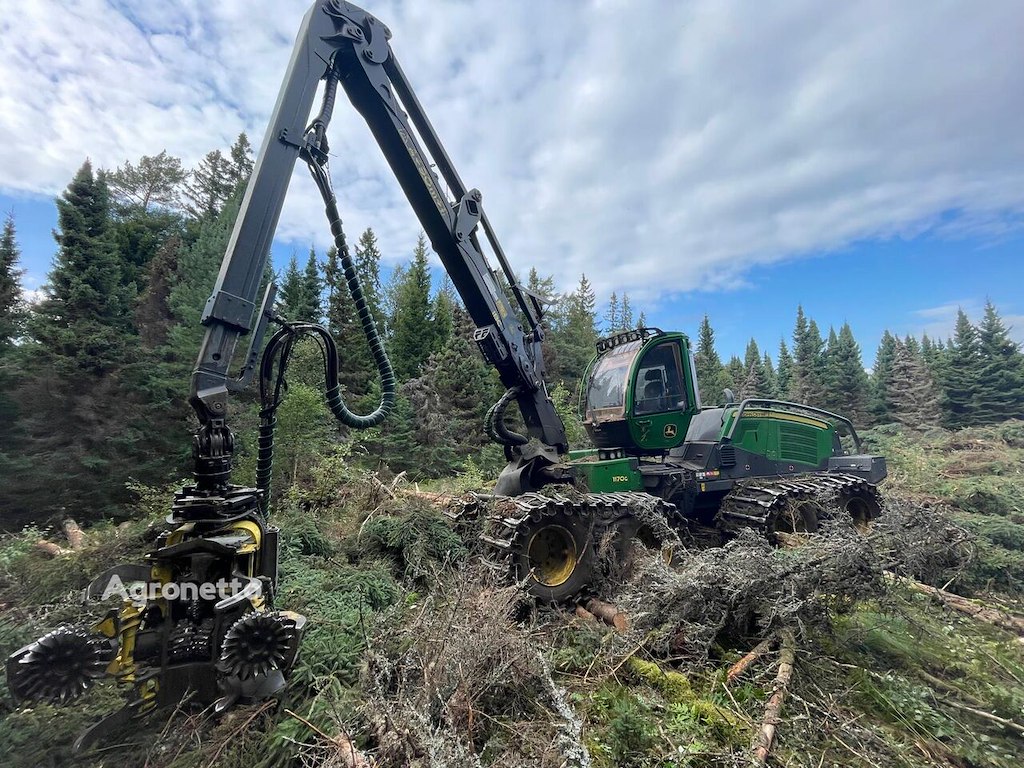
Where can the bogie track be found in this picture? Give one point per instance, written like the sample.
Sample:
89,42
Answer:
798,504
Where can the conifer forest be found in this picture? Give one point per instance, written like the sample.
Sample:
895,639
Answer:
898,647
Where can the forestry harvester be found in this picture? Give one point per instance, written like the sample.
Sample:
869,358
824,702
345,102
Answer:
661,459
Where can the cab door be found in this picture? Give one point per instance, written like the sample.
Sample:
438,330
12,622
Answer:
661,403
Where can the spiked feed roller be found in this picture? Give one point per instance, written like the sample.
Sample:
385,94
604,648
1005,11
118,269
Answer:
258,644
58,667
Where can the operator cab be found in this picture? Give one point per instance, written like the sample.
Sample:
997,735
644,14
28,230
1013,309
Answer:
640,392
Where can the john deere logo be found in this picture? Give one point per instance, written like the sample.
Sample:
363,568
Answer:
670,430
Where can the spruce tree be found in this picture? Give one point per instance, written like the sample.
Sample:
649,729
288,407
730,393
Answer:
412,334
735,375
211,184
963,374
85,434
771,379
1001,376
12,308
912,393
83,321
626,315
849,389
574,339
784,372
881,405
313,288
367,262
711,376
442,313
806,383
613,317
641,321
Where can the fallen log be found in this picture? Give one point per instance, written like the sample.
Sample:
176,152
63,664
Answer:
74,534
966,606
583,613
766,735
50,549
756,652
608,613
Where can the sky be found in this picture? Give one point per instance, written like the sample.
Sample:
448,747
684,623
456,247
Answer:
863,159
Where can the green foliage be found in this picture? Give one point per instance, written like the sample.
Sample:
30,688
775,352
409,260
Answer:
806,384
12,309
412,335
299,297
711,376
420,542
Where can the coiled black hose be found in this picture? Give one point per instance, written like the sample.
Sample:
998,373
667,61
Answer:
494,423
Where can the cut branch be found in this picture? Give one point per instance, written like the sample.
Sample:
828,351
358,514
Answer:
964,605
74,534
608,613
740,666
763,743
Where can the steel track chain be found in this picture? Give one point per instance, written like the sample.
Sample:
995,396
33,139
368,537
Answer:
505,519
756,503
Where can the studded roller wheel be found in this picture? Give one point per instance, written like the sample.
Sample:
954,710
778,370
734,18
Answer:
257,644
57,667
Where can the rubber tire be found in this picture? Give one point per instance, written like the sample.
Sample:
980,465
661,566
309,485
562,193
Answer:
579,530
867,509
806,509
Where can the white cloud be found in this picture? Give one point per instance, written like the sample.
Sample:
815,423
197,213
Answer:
657,146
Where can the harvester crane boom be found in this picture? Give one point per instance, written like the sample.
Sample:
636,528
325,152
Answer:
343,44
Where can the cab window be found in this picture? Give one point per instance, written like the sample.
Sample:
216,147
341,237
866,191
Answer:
606,390
659,380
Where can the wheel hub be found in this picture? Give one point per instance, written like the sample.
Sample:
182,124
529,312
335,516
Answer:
552,555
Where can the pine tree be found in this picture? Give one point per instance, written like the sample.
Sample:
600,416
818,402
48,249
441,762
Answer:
915,401
963,374
711,376
641,321
12,309
1001,376
881,403
412,334
155,181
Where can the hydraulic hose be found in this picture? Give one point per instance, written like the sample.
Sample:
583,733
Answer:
494,423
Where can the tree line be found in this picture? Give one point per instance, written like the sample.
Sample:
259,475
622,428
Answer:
94,374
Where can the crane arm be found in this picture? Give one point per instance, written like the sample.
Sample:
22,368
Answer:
343,44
